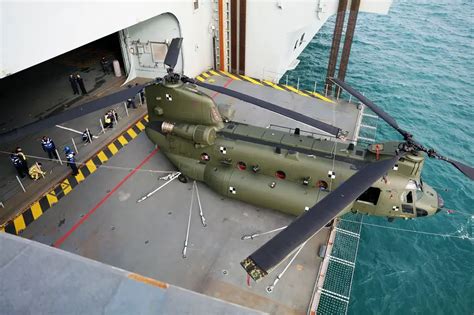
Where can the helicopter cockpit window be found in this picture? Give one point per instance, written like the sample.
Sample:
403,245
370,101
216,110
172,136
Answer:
407,208
371,196
409,197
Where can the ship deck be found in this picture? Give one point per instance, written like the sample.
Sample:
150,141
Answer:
101,219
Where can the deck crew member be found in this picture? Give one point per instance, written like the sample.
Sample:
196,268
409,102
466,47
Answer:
48,146
108,120
36,172
105,65
87,136
80,82
18,164
131,103
22,157
71,160
73,82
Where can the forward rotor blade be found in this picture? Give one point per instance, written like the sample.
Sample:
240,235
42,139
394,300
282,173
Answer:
376,109
267,257
173,52
75,112
272,107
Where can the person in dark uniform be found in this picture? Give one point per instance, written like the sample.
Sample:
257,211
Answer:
105,65
80,82
87,136
73,82
71,160
131,103
49,147
22,157
18,164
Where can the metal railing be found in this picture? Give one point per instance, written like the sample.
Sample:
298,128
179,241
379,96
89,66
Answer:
15,185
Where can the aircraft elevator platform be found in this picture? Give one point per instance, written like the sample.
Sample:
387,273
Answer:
100,218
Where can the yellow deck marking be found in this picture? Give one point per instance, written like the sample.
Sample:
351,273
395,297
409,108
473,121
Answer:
200,79
251,80
214,73
66,186
132,133
36,210
140,126
102,157
273,85
79,177
122,140
231,75
295,90
113,149
19,223
91,166
323,97
52,199
2,229
204,74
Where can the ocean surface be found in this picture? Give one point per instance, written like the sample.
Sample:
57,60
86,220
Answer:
417,63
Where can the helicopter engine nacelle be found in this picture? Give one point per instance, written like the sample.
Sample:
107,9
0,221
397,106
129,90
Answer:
198,133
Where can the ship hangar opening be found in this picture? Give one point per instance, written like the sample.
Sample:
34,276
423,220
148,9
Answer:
44,89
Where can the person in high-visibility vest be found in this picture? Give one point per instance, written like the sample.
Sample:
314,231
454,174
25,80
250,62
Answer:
22,156
108,120
36,172
48,146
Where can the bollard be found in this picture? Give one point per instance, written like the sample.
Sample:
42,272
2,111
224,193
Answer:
287,79
338,93
350,98
59,157
102,125
19,181
314,88
326,93
126,109
74,144
298,84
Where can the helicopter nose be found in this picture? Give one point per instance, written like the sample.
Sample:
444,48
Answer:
440,203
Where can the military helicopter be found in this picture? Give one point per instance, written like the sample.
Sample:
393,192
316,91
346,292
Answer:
313,178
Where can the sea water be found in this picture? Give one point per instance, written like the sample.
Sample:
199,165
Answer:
417,63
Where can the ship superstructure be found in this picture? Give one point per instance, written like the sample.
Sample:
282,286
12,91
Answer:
260,39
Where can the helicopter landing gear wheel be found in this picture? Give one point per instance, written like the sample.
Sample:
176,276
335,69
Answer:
329,223
183,179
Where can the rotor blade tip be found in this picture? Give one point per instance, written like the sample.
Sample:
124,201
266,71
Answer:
253,270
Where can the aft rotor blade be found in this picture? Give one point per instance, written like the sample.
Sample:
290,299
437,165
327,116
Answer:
173,52
376,109
70,114
274,108
267,257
